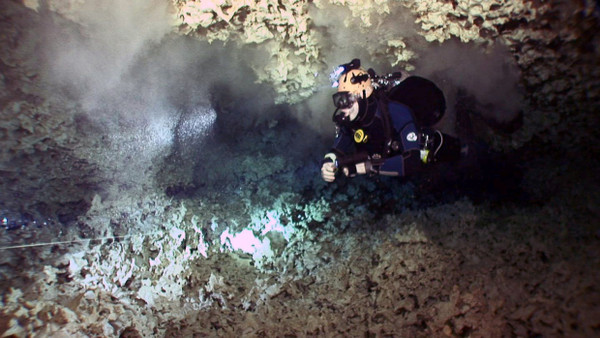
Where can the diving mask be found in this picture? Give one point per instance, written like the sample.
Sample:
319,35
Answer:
343,100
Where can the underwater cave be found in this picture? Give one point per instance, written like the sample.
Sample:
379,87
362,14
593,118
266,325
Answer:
161,171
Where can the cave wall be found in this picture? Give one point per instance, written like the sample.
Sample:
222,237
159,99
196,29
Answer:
452,269
42,176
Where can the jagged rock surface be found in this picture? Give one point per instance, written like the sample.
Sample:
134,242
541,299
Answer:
455,269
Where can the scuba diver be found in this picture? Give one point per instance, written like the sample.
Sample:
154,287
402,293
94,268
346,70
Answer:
384,125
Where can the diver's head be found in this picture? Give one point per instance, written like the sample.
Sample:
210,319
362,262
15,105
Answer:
354,88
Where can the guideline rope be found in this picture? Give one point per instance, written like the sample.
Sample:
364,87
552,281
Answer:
61,242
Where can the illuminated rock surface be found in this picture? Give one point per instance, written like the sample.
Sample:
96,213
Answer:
185,138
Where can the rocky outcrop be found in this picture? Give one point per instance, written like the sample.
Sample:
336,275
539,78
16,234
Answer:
344,260
37,138
450,270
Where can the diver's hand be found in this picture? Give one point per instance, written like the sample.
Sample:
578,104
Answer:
328,171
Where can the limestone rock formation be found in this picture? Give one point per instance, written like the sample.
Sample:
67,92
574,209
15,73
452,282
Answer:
134,209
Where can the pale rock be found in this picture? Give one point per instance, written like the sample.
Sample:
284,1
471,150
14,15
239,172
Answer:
89,295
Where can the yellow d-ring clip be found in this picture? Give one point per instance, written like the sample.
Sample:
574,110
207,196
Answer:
360,136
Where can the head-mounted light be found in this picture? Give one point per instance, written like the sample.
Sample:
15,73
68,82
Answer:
342,69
